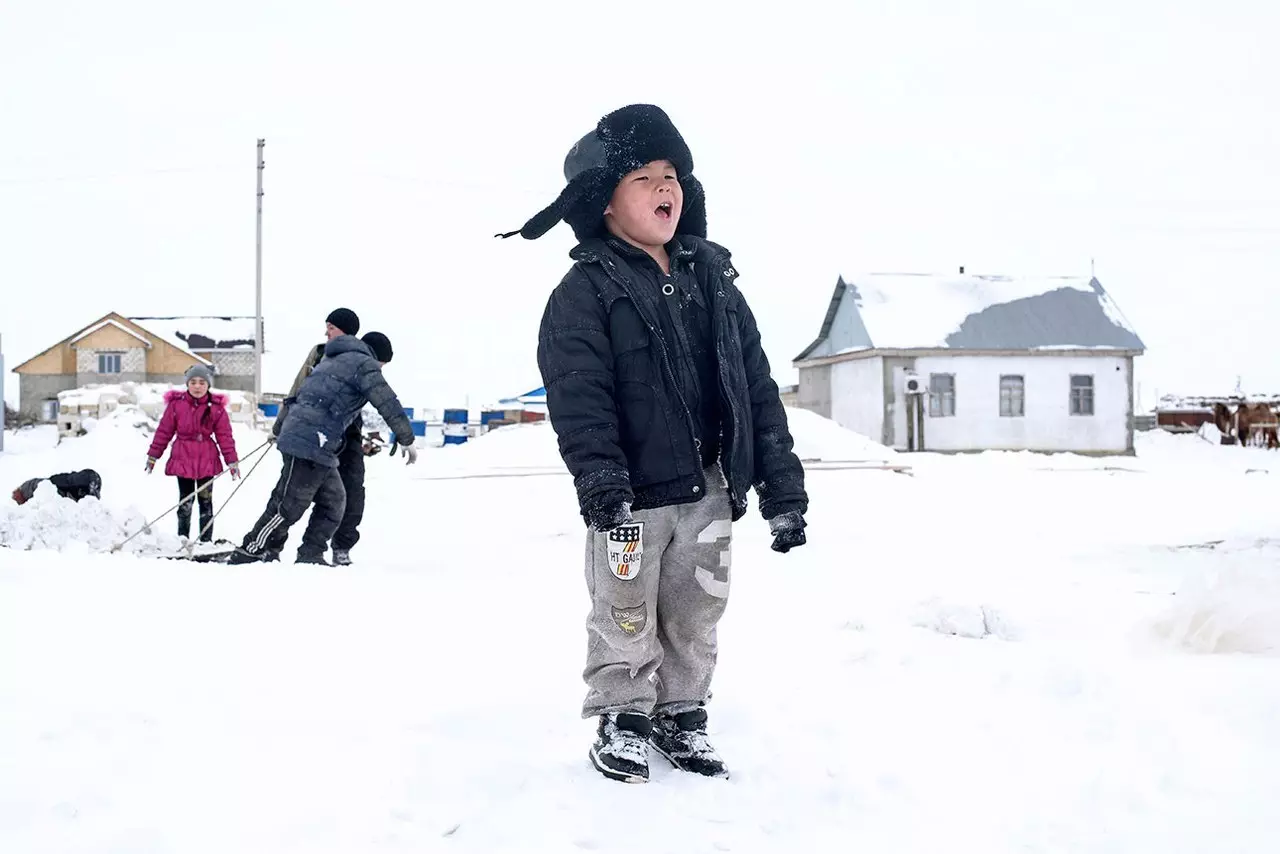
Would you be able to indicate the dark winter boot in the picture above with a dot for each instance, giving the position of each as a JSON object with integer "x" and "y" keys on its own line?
{"x": 206, "y": 518}
{"x": 621, "y": 751}
{"x": 682, "y": 739}
{"x": 184, "y": 519}
{"x": 341, "y": 557}
{"x": 243, "y": 555}
{"x": 306, "y": 557}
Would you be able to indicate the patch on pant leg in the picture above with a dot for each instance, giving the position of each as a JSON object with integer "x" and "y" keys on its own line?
{"x": 631, "y": 620}
{"x": 715, "y": 581}
{"x": 626, "y": 550}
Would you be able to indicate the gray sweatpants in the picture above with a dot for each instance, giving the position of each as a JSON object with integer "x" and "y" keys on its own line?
{"x": 658, "y": 588}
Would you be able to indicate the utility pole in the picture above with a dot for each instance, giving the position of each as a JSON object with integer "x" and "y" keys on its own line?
{"x": 257, "y": 335}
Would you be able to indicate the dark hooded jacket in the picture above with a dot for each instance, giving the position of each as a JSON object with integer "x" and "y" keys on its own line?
{"x": 331, "y": 398}
{"x": 73, "y": 484}
{"x": 314, "y": 355}
{"x": 624, "y": 430}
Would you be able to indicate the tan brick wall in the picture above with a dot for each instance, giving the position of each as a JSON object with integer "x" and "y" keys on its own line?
{"x": 133, "y": 360}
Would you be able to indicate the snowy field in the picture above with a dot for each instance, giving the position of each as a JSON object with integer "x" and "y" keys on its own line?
{"x": 995, "y": 653}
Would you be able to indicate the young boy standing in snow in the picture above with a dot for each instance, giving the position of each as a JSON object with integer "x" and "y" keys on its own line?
{"x": 349, "y": 376}
{"x": 661, "y": 397}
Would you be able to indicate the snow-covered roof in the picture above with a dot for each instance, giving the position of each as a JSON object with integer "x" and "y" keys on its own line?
{"x": 109, "y": 322}
{"x": 537, "y": 395}
{"x": 904, "y": 311}
{"x": 1181, "y": 402}
{"x": 203, "y": 333}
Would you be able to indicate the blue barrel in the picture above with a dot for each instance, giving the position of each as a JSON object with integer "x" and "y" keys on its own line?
{"x": 455, "y": 426}
{"x": 491, "y": 415}
{"x": 271, "y": 410}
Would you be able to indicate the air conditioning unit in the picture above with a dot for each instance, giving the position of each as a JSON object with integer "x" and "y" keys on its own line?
{"x": 912, "y": 383}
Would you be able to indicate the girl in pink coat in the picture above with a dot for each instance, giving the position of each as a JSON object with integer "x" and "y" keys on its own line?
{"x": 197, "y": 421}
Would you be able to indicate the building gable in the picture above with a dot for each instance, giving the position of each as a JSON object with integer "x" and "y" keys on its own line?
{"x": 110, "y": 331}
{"x": 109, "y": 335}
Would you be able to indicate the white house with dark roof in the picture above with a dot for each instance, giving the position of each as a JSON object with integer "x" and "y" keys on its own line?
{"x": 1000, "y": 363}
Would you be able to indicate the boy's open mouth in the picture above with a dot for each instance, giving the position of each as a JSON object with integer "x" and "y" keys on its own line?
{"x": 663, "y": 211}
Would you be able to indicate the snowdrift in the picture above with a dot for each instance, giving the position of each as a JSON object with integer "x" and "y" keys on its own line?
{"x": 49, "y": 521}
{"x": 115, "y": 446}
{"x": 1232, "y": 609}
{"x": 532, "y": 448}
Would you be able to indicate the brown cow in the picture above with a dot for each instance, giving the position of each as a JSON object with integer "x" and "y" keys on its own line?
{"x": 1225, "y": 422}
{"x": 1256, "y": 424}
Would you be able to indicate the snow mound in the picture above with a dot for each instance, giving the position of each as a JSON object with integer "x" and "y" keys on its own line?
{"x": 820, "y": 438}
{"x": 1210, "y": 433}
{"x": 1234, "y": 610}
{"x": 49, "y": 521}
{"x": 529, "y": 446}
{"x": 961, "y": 620}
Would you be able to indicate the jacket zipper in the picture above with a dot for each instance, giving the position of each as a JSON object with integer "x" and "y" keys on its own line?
{"x": 721, "y": 314}
{"x": 662, "y": 348}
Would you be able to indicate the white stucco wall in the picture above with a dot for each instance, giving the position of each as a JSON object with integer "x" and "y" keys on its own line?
{"x": 857, "y": 396}
{"x": 1047, "y": 424}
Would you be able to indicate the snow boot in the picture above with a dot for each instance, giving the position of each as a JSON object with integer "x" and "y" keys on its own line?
{"x": 341, "y": 557}
{"x": 242, "y": 555}
{"x": 318, "y": 559}
{"x": 621, "y": 750}
{"x": 682, "y": 739}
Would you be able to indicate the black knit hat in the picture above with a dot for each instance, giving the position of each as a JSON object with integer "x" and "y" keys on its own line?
{"x": 622, "y": 142}
{"x": 379, "y": 344}
{"x": 345, "y": 319}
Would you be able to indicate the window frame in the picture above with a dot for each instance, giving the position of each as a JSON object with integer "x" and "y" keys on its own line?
{"x": 119, "y": 362}
{"x": 1079, "y": 394}
{"x": 1008, "y": 396}
{"x": 937, "y": 398}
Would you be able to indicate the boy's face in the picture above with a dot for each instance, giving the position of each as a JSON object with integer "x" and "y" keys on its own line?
{"x": 646, "y": 206}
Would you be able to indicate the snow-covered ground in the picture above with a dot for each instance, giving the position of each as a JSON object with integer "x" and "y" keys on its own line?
{"x": 996, "y": 653}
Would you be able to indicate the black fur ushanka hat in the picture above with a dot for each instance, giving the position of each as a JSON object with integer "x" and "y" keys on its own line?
{"x": 622, "y": 142}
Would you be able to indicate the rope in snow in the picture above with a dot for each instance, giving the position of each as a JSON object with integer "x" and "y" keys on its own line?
{"x": 190, "y": 546}
{"x": 147, "y": 527}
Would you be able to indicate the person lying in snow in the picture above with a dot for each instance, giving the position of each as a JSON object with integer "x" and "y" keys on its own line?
{"x": 330, "y": 398}
{"x": 661, "y": 396}
{"x": 74, "y": 485}
{"x": 197, "y": 423}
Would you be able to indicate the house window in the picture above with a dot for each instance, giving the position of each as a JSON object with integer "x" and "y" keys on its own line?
{"x": 1012, "y": 395}
{"x": 942, "y": 395}
{"x": 109, "y": 363}
{"x": 1081, "y": 394}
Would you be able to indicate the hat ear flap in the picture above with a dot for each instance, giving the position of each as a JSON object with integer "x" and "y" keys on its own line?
{"x": 693, "y": 216}
{"x": 546, "y": 219}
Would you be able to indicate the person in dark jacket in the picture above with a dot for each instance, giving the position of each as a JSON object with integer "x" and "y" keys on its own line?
{"x": 661, "y": 397}
{"x": 348, "y": 377}
{"x": 75, "y": 485}
{"x": 341, "y": 321}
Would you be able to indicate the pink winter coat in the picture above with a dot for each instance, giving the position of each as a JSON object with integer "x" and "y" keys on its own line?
{"x": 197, "y": 424}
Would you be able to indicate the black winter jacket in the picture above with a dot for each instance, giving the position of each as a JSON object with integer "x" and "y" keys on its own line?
{"x": 624, "y": 431}
{"x": 332, "y": 397}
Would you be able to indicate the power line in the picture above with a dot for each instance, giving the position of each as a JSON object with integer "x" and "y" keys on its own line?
{"x": 107, "y": 176}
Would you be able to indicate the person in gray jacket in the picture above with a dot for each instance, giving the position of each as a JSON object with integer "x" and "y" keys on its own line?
{"x": 349, "y": 376}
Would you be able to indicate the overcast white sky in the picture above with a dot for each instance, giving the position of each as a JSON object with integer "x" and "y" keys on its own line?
{"x": 908, "y": 135}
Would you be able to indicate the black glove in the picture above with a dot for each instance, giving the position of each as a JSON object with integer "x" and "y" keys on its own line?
{"x": 788, "y": 531}
{"x": 608, "y": 514}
